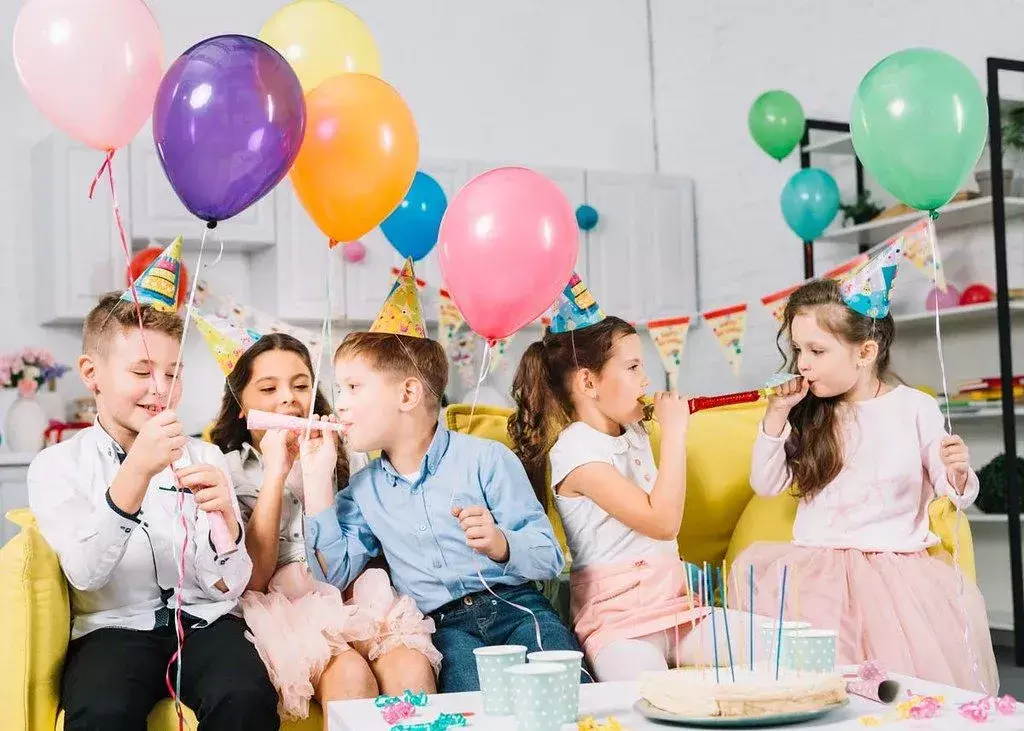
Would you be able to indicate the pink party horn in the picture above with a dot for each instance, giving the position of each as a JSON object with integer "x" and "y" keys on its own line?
{"x": 871, "y": 682}
{"x": 220, "y": 536}
{"x": 263, "y": 420}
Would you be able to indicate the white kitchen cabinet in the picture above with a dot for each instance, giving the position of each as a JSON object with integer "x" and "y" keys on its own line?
{"x": 368, "y": 282}
{"x": 13, "y": 490}
{"x": 289, "y": 280}
{"x": 159, "y": 215}
{"x": 641, "y": 253}
{"x": 78, "y": 249}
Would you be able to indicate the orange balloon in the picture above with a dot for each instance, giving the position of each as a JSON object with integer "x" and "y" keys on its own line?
{"x": 359, "y": 155}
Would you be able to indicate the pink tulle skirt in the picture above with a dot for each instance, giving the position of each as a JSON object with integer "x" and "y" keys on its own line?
{"x": 300, "y": 624}
{"x": 902, "y": 610}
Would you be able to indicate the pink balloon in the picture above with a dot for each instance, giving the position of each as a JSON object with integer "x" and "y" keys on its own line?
{"x": 942, "y": 300}
{"x": 353, "y": 252}
{"x": 508, "y": 244}
{"x": 92, "y": 68}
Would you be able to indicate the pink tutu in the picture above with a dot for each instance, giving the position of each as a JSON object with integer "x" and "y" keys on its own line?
{"x": 397, "y": 620}
{"x": 901, "y": 610}
{"x": 297, "y": 627}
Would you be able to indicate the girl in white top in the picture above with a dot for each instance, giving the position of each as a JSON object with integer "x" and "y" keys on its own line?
{"x": 302, "y": 628}
{"x": 632, "y": 609}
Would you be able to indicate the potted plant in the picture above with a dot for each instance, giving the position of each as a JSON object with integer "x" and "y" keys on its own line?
{"x": 1012, "y": 123}
{"x": 862, "y": 211}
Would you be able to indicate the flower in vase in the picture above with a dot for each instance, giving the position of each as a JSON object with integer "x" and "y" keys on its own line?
{"x": 27, "y": 387}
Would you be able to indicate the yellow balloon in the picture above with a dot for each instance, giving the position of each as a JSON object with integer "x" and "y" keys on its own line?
{"x": 321, "y": 39}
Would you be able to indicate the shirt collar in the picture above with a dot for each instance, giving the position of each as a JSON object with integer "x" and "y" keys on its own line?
{"x": 249, "y": 453}
{"x": 431, "y": 460}
{"x": 107, "y": 444}
{"x": 629, "y": 439}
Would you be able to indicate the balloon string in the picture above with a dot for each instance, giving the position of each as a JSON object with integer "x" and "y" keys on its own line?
{"x": 484, "y": 363}
{"x": 330, "y": 326}
{"x": 188, "y": 311}
{"x": 316, "y": 376}
{"x": 960, "y": 582}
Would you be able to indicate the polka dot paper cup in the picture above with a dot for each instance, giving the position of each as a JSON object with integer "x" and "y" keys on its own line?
{"x": 572, "y": 665}
{"x": 810, "y": 651}
{"x": 539, "y": 693}
{"x": 491, "y": 663}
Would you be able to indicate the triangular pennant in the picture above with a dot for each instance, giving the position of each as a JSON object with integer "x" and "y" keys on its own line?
{"x": 729, "y": 325}
{"x": 868, "y": 290}
{"x": 499, "y": 353}
{"x": 776, "y": 302}
{"x": 449, "y": 320}
{"x": 227, "y": 340}
{"x": 157, "y": 286}
{"x": 669, "y": 336}
{"x": 918, "y": 243}
{"x": 846, "y": 268}
{"x": 401, "y": 313}
{"x": 575, "y": 307}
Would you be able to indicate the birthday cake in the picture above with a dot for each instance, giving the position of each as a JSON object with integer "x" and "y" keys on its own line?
{"x": 693, "y": 693}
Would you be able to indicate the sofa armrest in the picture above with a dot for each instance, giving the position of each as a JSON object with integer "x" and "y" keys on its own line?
{"x": 36, "y": 616}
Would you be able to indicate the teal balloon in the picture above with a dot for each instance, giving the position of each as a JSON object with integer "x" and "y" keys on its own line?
{"x": 810, "y": 201}
{"x": 919, "y": 123}
{"x": 586, "y": 217}
{"x": 412, "y": 227}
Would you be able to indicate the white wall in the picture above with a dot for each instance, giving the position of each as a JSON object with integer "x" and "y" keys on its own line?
{"x": 567, "y": 83}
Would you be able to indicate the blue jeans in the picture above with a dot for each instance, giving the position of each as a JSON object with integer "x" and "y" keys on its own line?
{"x": 479, "y": 620}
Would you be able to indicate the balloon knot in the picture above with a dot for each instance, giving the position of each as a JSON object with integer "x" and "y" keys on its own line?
{"x": 211, "y": 225}
{"x": 492, "y": 342}
{"x": 934, "y": 215}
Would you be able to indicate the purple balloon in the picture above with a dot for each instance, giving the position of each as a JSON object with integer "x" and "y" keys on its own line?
{"x": 228, "y": 121}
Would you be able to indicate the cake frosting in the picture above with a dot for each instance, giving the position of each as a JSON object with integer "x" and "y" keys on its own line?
{"x": 693, "y": 692}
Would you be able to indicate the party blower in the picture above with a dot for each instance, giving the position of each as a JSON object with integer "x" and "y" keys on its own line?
{"x": 263, "y": 420}
{"x": 702, "y": 403}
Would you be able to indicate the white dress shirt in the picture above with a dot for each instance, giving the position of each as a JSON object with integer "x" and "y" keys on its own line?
{"x": 121, "y": 567}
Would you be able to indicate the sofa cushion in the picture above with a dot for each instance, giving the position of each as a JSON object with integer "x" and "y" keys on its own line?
{"x": 35, "y": 614}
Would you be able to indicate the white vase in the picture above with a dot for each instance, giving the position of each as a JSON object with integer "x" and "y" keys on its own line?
{"x": 25, "y": 425}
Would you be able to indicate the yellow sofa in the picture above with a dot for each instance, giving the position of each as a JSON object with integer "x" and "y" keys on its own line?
{"x": 721, "y": 518}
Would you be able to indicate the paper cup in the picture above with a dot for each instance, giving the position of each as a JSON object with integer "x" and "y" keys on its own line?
{"x": 491, "y": 663}
{"x": 571, "y": 662}
{"x": 810, "y": 651}
{"x": 770, "y": 639}
{"x": 540, "y": 697}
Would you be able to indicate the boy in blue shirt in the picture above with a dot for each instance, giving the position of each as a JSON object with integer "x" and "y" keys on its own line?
{"x": 446, "y": 509}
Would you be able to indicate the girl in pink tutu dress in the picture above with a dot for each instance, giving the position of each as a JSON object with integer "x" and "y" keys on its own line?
{"x": 865, "y": 456}
{"x": 632, "y": 607}
{"x": 313, "y": 643}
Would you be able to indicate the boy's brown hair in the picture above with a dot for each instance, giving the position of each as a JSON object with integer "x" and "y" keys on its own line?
{"x": 401, "y": 356}
{"x": 112, "y": 316}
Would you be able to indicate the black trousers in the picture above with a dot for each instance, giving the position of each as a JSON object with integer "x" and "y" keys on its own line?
{"x": 114, "y": 677}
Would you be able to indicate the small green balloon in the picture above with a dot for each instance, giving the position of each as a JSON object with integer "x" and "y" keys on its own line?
{"x": 776, "y": 122}
{"x": 919, "y": 123}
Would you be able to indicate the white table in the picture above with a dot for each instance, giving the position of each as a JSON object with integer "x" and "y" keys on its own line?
{"x": 616, "y": 699}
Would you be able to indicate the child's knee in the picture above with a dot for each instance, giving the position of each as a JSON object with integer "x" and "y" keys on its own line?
{"x": 348, "y": 675}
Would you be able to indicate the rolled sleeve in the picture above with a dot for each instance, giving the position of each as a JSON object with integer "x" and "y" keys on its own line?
{"x": 339, "y": 542}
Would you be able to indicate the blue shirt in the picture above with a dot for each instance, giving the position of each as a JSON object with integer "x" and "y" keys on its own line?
{"x": 412, "y": 522}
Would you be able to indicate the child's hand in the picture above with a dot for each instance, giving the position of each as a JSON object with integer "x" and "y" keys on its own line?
{"x": 160, "y": 443}
{"x": 673, "y": 414}
{"x": 279, "y": 448}
{"x": 212, "y": 492}
{"x": 788, "y": 395}
{"x": 482, "y": 535}
{"x": 957, "y": 459}
{"x": 318, "y": 456}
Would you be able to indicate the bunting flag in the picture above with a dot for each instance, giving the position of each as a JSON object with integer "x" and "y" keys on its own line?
{"x": 449, "y": 320}
{"x": 499, "y": 354}
{"x": 729, "y": 325}
{"x": 918, "y": 243}
{"x": 669, "y": 336}
{"x": 846, "y": 267}
{"x": 776, "y": 301}
{"x": 464, "y": 349}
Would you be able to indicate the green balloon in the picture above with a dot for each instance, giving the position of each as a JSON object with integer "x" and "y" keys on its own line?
{"x": 776, "y": 122}
{"x": 919, "y": 123}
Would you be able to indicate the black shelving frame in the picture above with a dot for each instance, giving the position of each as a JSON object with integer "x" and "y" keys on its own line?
{"x": 1003, "y": 324}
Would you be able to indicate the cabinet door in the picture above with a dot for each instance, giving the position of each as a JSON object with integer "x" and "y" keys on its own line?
{"x": 160, "y": 216}
{"x": 290, "y": 279}
{"x": 368, "y": 282}
{"x": 13, "y": 495}
{"x": 618, "y": 249}
{"x": 79, "y": 255}
{"x": 670, "y": 268}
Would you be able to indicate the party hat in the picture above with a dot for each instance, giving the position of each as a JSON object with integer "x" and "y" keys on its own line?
{"x": 575, "y": 307}
{"x": 868, "y": 289}
{"x": 158, "y": 285}
{"x": 401, "y": 313}
{"x": 227, "y": 340}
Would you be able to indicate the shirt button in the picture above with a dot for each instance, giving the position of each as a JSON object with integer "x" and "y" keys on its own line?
{"x": 437, "y": 563}
{"x": 422, "y": 527}
{"x": 295, "y": 535}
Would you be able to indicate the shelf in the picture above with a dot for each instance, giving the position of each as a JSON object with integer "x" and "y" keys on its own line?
{"x": 956, "y": 215}
{"x": 1000, "y": 619}
{"x": 985, "y": 412}
{"x": 962, "y": 314}
{"x": 976, "y": 516}
{"x": 841, "y": 144}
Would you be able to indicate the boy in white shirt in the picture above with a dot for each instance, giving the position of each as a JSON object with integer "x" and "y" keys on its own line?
{"x": 105, "y": 501}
